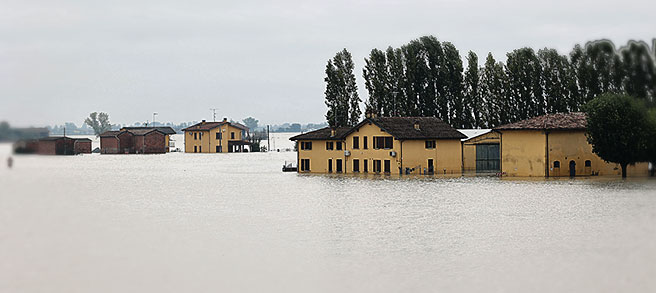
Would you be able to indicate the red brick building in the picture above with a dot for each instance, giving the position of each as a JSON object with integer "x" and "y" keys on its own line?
{"x": 63, "y": 146}
{"x": 136, "y": 140}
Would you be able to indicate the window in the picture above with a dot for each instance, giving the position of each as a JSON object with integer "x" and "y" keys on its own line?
{"x": 382, "y": 142}
{"x": 200, "y": 149}
{"x": 356, "y": 166}
{"x": 356, "y": 142}
{"x": 217, "y": 149}
{"x": 200, "y": 135}
{"x": 387, "y": 166}
{"x": 556, "y": 164}
{"x": 364, "y": 142}
{"x": 329, "y": 145}
{"x": 232, "y": 135}
{"x": 430, "y": 144}
{"x": 218, "y": 135}
{"x": 338, "y": 145}
{"x": 588, "y": 163}
{"x": 195, "y": 136}
{"x": 377, "y": 165}
{"x": 330, "y": 165}
{"x": 306, "y": 145}
{"x": 338, "y": 166}
{"x": 365, "y": 166}
{"x": 195, "y": 149}
{"x": 305, "y": 165}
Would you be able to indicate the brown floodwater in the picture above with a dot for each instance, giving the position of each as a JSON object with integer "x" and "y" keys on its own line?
{"x": 235, "y": 223}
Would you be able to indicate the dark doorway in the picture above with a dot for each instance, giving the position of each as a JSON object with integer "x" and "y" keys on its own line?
{"x": 339, "y": 165}
{"x": 387, "y": 166}
{"x": 487, "y": 158}
{"x": 572, "y": 168}
{"x": 330, "y": 165}
{"x": 431, "y": 167}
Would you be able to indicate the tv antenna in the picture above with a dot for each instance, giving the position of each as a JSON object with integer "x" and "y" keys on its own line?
{"x": 213, "y": 114}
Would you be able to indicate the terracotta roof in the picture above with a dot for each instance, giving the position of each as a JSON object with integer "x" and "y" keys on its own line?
{"x": 404, "y": 127}
{"x": 110, "y": 133}
{"x": 323, "y": 134}
{"x": 563, "y": 121}
{"x": 54, "y": 138}
{"x": 140, "y": 132}
{"x": 163, "y": 129}
{"x": 202, "y": 126}
{"x": 399, "y": 127}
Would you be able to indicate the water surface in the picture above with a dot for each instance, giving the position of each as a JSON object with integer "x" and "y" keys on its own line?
{"x": 234, "y": 223}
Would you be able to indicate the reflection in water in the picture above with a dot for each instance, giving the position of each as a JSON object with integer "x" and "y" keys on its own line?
{"x": 236, "y": 223}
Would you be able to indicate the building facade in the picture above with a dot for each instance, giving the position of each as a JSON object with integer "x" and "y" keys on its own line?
{"x": 216, "y": 137}
{"x": 61, "y": 145}
{"x": 481, "y": 153}
{"x": 136, "y": 140}
{"x": 554, "y": 145}
{"x": 390, "y": 145}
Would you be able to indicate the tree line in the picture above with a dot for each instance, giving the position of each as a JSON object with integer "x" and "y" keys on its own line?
{"x": 427, "y": 77}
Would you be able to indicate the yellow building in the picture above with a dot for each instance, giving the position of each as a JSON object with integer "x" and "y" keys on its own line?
{"x": 481, "y": 151}
{"x": 216, "y": 137}
{"x": 554, "y": 145}
{"x": 390, "y": 145}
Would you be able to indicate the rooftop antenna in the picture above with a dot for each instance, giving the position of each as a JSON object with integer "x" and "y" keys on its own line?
{"x": 213, "y": 114}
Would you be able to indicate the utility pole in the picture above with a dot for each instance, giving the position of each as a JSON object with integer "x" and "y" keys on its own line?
{"x": 213, "y": 114}
{"x": 268, "y": 140}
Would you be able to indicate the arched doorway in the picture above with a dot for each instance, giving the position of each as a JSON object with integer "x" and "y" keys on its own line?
{"x": 572, "y": 168}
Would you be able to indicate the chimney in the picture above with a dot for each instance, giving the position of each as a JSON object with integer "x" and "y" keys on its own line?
{"x": 333, "y": 132}
{"x": 225, "y": 119}
{"x": 202, "y": 122}
{"x": 417, "y": 125}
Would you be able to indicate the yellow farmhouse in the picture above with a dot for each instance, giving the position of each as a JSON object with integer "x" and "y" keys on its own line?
{"x": 390, "y": 145}
{"x": 215, "y": 137}
{"x": 554, "y": 145}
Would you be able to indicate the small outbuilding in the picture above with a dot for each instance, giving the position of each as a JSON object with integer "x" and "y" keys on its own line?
{"x": 136, "y": 140}
{"x": 62, "y": 145}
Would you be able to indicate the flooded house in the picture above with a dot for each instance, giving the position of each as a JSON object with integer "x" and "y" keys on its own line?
{"x": 383, "y": 145}
{"x": 554, "y": 145}
{"x": 216, "y": 137}
{"x": 136, "y": 140}
{"x": 62, "y": 145}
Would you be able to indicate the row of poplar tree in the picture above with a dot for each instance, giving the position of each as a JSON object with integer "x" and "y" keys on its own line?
{"x": 427, "y": 78}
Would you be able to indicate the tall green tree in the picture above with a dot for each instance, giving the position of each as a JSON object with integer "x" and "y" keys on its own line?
{"x": 376, "y": 81}
{"x": 639, "y": 69}
{"x": 473, "y": 107}
{"x": 398, "y": 81}
{"x": 341, "y": 91}
{"x": 617, "y": 128}
{"x": 497, "y": 103}
{"x": 99, "y": 122}
{"x": 433, "y": 94}
{"x": 453, "y": 83}
{"x": 558, "y": 82}
{"x": 524, "y": 76}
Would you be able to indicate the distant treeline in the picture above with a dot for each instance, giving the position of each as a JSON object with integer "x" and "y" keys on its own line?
{"x": 426, "y": 77}
{"x": 8, "y": 133}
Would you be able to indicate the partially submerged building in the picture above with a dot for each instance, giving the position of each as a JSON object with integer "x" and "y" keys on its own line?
{"x": 481, "y": 151}
{"x": 62, "y": 145}
{"x": 553, "y": 145}
{"x": 136, "y": 140}
{"x": 216, "y": 137}
{"x": 385, "y": 145}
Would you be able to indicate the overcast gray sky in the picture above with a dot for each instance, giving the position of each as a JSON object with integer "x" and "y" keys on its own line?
{"x": 61, "y": 59}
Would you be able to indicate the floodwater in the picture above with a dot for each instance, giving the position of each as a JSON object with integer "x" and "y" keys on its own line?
{"x": 235, "y": 223}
